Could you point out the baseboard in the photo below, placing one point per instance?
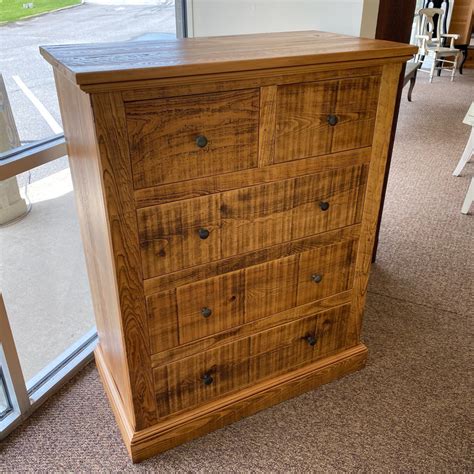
(200, 421)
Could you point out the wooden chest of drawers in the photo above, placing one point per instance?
(228, 192)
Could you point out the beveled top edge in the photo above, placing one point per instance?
(100, 63)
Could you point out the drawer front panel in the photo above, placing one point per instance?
(325, 117)
(196, 380)
(249, 219)
(285, 347)
(326, 271)
(188, 137)
(227, 301)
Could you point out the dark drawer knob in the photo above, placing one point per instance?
(324, 205)
(201, 141)
(317, 278)
(206, 312)
(332, 120)
(207, 379)
(203, 233)
(310, 339)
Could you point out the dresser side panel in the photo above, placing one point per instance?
(380, 145)
(112, 140)
(86, 174)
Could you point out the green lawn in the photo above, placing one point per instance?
(11, 10)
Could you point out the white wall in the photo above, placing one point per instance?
(229, 17)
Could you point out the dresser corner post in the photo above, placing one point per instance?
(373, 195)
(117, 184)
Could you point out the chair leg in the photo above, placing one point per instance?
(412, 85)
(469, 198)
(465, 157)
(432, 70)
(455, 65)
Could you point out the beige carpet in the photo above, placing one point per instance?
(410, 410)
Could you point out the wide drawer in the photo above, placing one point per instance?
(216, 304)
(318, 118)
(288, 346)
(197, 380)
(186, 233)
(188, 137)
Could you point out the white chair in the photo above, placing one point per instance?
(468, 200)
(466, 156)
(431, 42)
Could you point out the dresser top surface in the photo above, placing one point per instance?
(139, 60)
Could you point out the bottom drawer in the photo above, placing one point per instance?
(288, 346)
(199, 379)
(195, 380)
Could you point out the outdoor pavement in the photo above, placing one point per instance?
(42, 270)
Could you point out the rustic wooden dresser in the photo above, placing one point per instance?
(228, 191)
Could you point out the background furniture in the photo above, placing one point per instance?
(462, 22)
(430, 36)
(469, 199)
(411, 69)
(228, 193)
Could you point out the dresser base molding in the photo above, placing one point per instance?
(198, 422)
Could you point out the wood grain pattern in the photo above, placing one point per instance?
(110, 123)
(169, 235)
(266, 138)
(223, 295)
(233, 334)
(247, 219)
(383, 125)
(226, 182)
(163, 134)
(181, 386)
(118, 62)
(246, 295)
(333, 263)
(302, 128)
(284, 348)
(231, 276)
(87, 177)
(201, 272)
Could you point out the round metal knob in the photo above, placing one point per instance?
(203, 233)
(206, 312)
(324, 205)
(317, 278)
(332, 120)
(207, 379)
(310, 339)
(201, 141)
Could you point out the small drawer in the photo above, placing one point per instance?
(196, 380)
(318, 118)
(288, 346)
(191, 232)
(181, 138)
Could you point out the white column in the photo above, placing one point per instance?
(12, 205)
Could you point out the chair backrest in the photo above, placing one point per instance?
(444, 5)
(427, 24)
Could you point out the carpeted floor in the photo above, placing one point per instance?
(410, 410)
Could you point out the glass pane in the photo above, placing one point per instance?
(5, 405)
(42, 269)
(43, 277)
(29, 78)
